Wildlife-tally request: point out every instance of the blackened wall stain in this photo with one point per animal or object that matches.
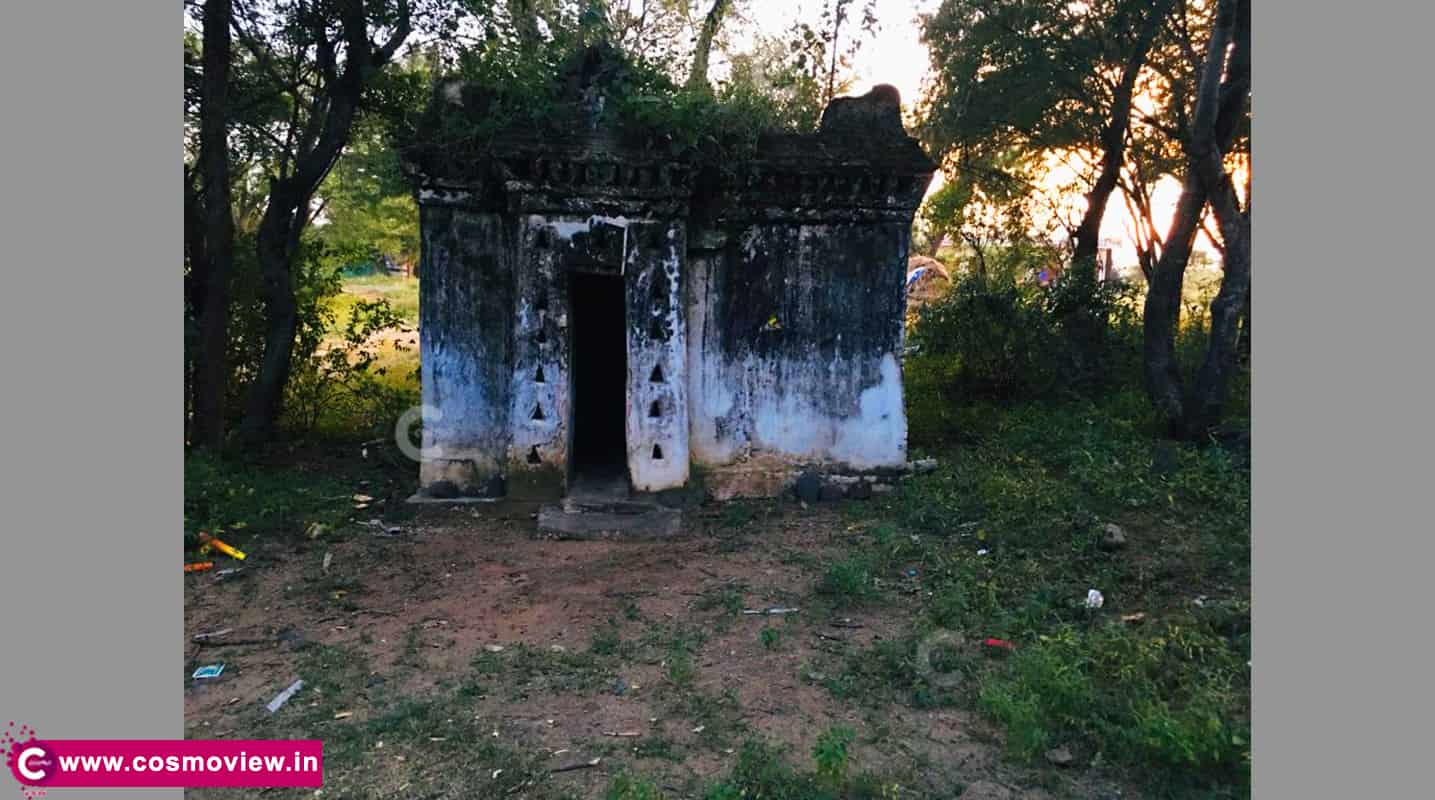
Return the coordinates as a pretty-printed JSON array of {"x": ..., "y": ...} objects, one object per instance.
[
  {"x": 762, "y": 303},
  {"x": 465, "y": 367}
]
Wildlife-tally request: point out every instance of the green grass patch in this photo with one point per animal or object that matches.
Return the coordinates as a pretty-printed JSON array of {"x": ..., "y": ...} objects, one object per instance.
[
  {"x": 243, "y": 499},
  {"x": 763, "y": 771},
  {"x": 1005, "y": 539},
  {"x": 629, "y": 786},
  {"x": 438, "y": 740},
  {"x": 527, "y": 671}
]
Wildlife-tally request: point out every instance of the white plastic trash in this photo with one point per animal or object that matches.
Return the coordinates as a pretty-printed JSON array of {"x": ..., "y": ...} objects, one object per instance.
[
  {"x": 1094, "y": 599},
  {"x": 283, "y": 697}
]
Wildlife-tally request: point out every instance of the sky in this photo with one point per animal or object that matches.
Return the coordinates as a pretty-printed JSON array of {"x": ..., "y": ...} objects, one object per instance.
[{"x": 896, "y": 56}]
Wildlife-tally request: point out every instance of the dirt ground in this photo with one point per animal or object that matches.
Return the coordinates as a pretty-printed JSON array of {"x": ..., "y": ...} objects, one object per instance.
[{"x": 419, "y": 646}]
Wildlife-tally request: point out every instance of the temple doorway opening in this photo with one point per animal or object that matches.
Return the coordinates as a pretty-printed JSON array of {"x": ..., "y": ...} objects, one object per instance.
[{"x": 600, "y": 379}]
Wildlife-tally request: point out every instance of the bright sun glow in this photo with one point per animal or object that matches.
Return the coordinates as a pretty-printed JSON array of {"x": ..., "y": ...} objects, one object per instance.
[{"x": 896, "y": 55}]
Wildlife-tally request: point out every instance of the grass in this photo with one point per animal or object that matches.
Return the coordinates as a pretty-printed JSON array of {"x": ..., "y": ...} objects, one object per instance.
[
  {"x": 438, "y": 742},
  {"x": 528, "y": 671},
  {"x": 1006, "y": 539},
  {"x": 627, "y": 786},
  {"x": 849, "y": 581},
  {"x": 763, "y": 770},
  {"x": 283, "y": 492}
]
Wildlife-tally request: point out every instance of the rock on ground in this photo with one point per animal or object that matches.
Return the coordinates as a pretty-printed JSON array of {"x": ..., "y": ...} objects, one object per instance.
[
  {"x": 1113, "y": 537},
  {"x": 809, "y": 487}
]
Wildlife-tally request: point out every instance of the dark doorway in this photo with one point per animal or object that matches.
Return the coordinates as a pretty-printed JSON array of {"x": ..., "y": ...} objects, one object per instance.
[{"x": 599, "y": 346}]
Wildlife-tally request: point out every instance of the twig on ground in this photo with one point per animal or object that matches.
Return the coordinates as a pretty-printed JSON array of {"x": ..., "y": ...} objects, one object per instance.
[{"x": 578, "y": 765}]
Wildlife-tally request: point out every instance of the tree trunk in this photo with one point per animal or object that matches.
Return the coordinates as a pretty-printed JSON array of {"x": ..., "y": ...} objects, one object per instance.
[
  {"x": 934, "y": 242},
  {"x": 1162, "y": 316},
  {"x": 211, "y": 373},
  {"x": 1113, "y": 142},
  {"x": 287, "y": 213},
  {"x": 1203, "y": 411},
  {"x": 525, "y": 21},
  {"x": 839, "y": 13},
  {"x": 698, "y": 78},
  {"x": 194, "y": 286},
  {"x": 1209, "y": 394},
  {"x": 1243, "y": 349},
  {"x": 981, "y": 260},
  {"x": 266, "y": 395},
  {"x": 1219, "y": 105}
]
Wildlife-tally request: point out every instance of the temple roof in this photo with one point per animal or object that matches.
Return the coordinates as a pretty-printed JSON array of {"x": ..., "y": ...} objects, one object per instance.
[{"x": 861, "y": 156}]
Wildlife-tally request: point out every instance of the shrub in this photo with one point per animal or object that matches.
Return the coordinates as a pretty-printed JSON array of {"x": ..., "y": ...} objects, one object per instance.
[
  {"x": 995, "y": 335},
  {"x": 830, "y": 753},
  {"x": 345, "y": 385},
  {"x": 848, "y": 582}
]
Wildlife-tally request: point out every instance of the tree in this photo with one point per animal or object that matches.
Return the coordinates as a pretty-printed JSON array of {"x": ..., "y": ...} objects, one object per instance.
[
  {"x": 989, "y": 201},
  {"x": 819, "y": 51},
  {"x": 320, "y": 58},
  {"x": 1220, "y": 112},
  {"x": 209, "y": 232},
  {"x": 698, "y": 77},
  {"x": 367, "y": 203},
  {"x": 1041, "y": 75},
  {"x": 1113, "y": 139}
]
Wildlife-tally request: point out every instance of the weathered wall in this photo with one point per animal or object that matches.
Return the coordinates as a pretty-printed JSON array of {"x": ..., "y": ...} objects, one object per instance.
[
  {"x": 466, "y": 336},
  {"x": 657, "y": 419},
  {"x": 649, "y": 256},
  {"x": 541, "y": 368},
  {"x": 795, "y": 344}
]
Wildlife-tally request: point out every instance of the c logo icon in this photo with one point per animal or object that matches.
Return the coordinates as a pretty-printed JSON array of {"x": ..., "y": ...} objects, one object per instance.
[
  {"x": 406, "y": 420},
  {"x": 34, "y": 762}
]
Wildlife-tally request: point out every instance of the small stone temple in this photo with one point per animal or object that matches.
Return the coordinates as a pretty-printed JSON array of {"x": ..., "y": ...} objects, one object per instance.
[{"x": 599, "y": 312}]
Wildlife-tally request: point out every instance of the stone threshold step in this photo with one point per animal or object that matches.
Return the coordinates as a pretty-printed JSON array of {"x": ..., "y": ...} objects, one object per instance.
[{"x": 653, "y": 522}]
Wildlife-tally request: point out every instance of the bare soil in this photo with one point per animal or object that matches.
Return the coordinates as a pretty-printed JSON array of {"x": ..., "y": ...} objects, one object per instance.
[{"x": 426, "y": 609}]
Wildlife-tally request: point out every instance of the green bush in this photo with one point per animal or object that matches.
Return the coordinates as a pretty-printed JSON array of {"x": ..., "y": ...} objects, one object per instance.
[
  {"x": 848, "y": 582},
  {"x": 316, "y": 276},
  {"x": 999, "y": 339},
  {"x": 344, "y": 386},
  {"x": 994, "y": 338},
  {"x": 337, "y": 383},
  {"x": 761, "y": 772},
  {"x": 830, "y": 753}
]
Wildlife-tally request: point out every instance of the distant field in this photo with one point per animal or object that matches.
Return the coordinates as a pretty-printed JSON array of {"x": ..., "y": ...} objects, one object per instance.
[
  {"x": 398, "y": 350},
  {"x": 402, "y": 293}
]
